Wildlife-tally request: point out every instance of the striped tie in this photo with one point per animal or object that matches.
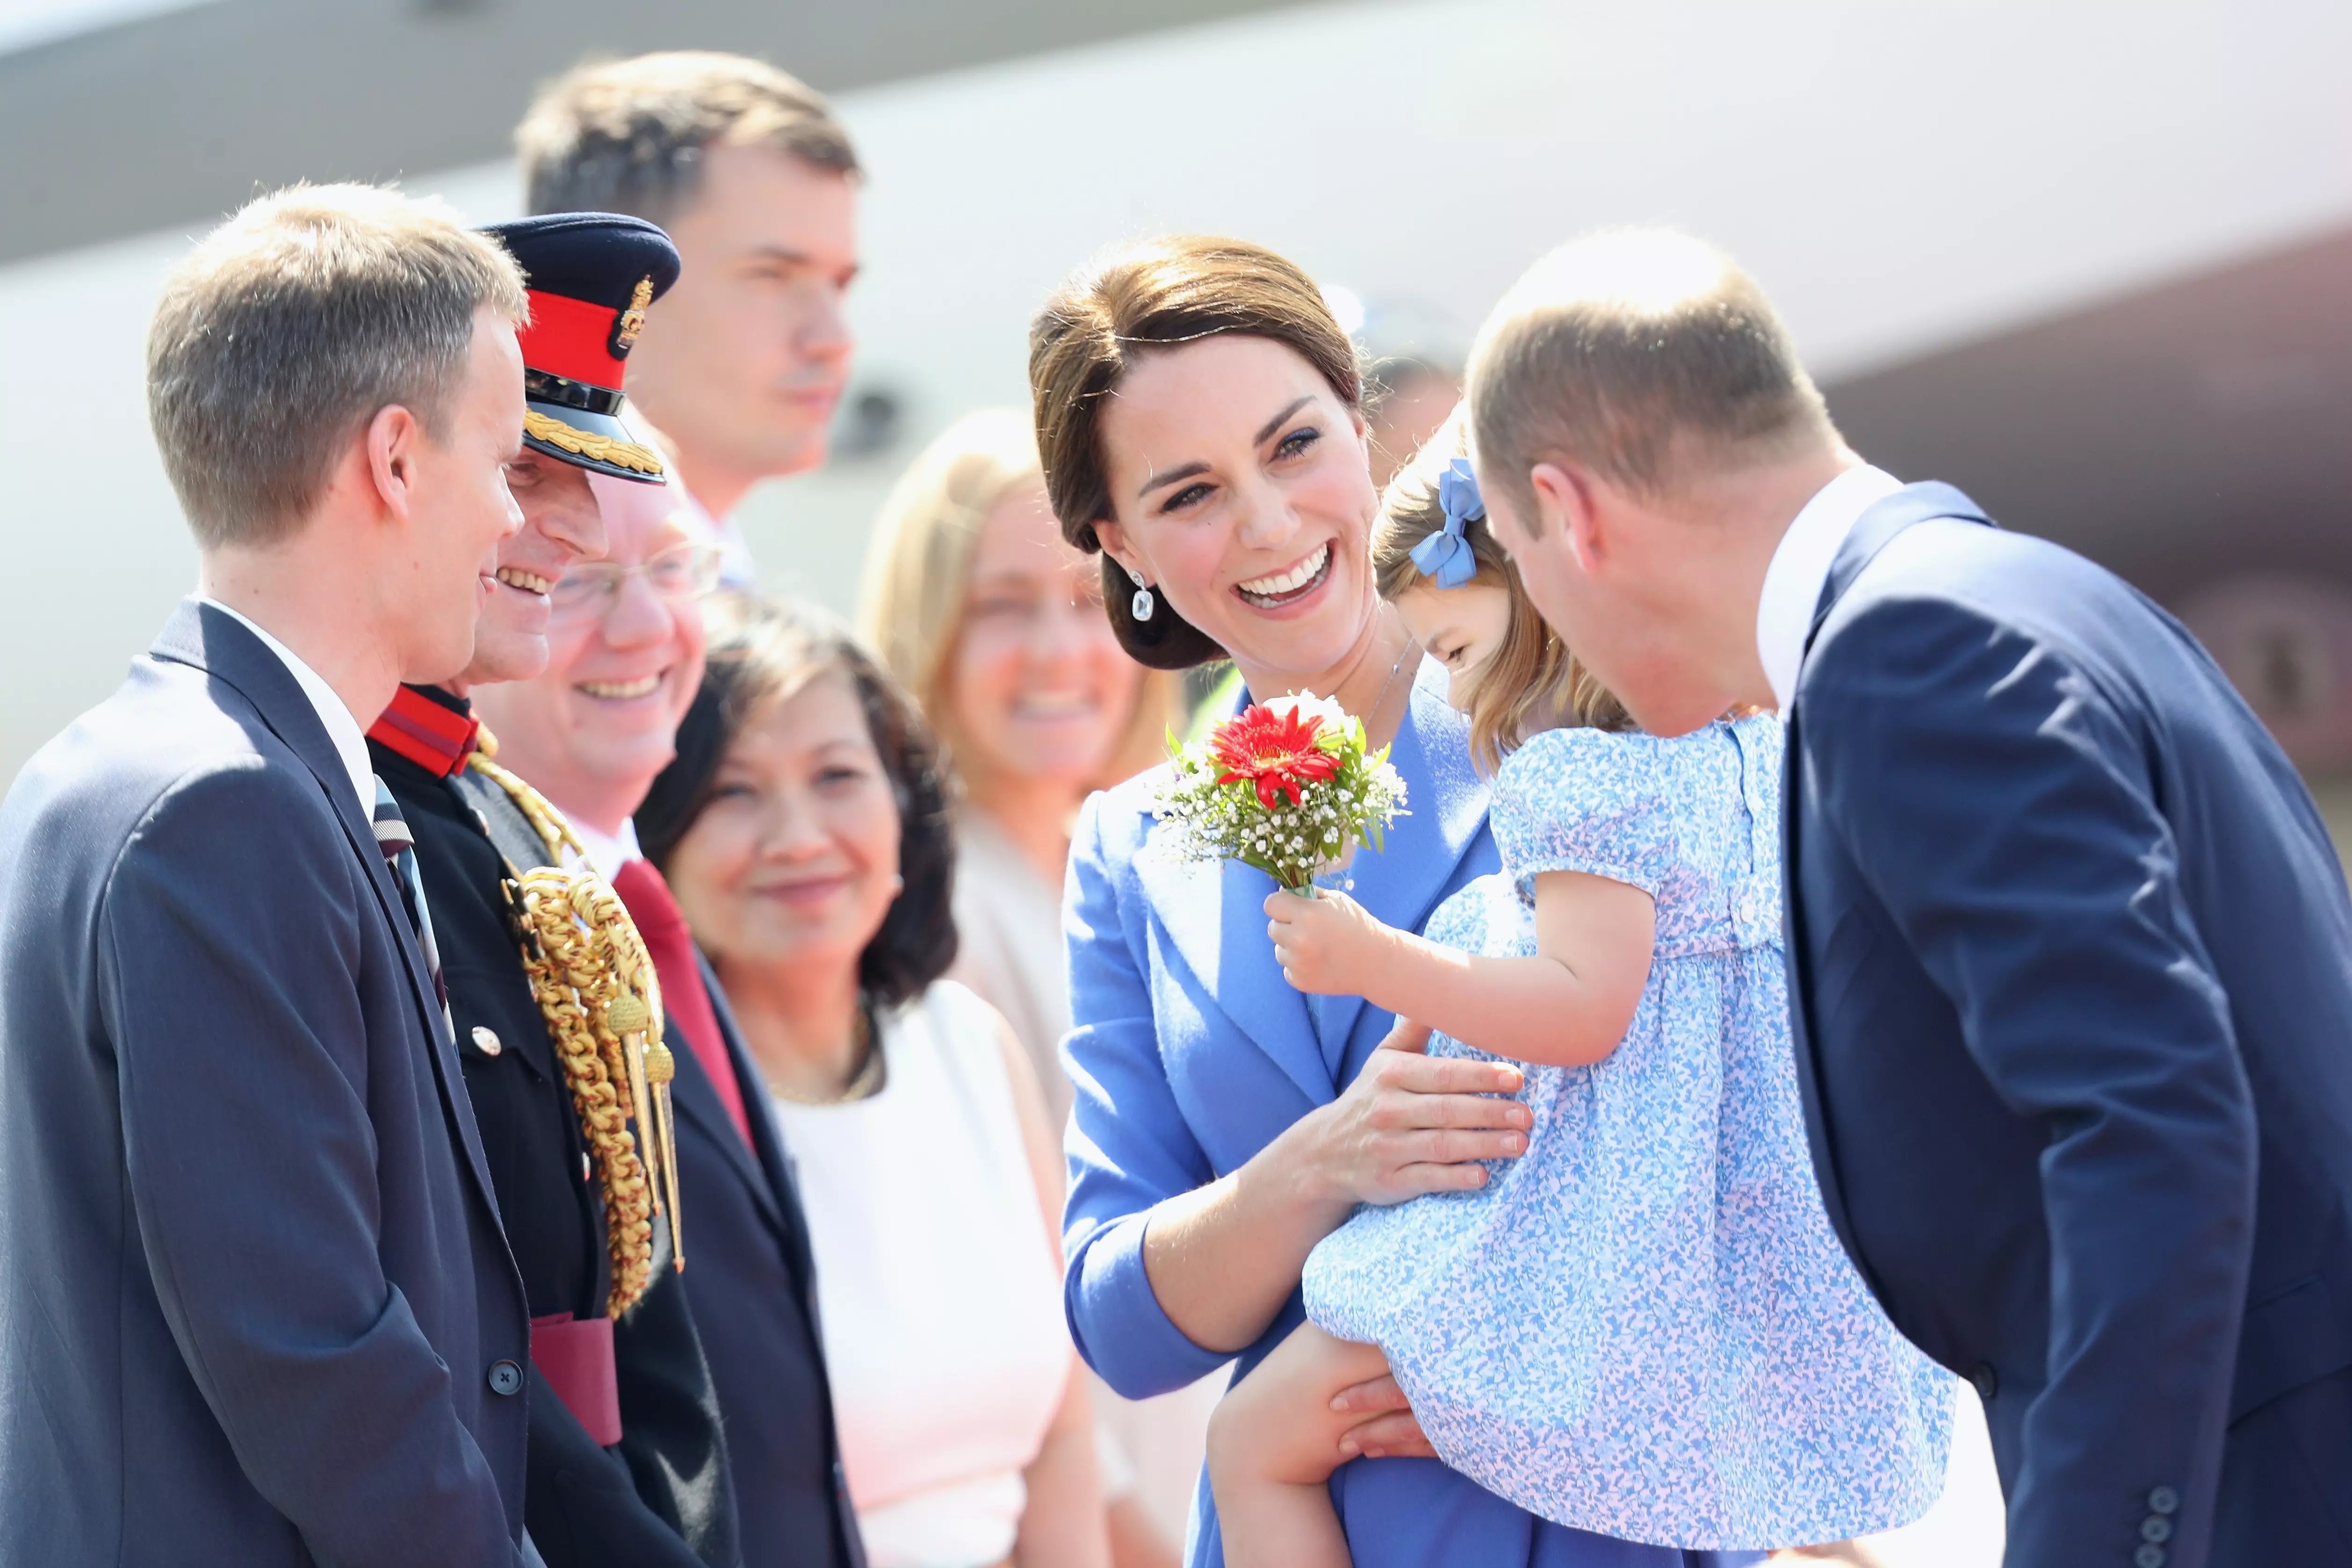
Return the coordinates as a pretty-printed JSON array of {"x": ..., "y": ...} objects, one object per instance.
[{"x": 399, "y": 847}]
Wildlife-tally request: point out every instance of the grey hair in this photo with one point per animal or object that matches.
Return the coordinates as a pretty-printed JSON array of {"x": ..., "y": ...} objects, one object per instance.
[
  {"x": 627, "y": 136},
  {"x": 290, "y": 326}
]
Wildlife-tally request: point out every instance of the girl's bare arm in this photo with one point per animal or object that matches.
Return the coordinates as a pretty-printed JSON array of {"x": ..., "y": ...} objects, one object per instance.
[{"x": 1568, "y": 1006}]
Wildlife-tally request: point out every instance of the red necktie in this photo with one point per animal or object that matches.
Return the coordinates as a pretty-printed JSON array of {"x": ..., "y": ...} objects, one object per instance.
[{"x": 663, "y": 925}]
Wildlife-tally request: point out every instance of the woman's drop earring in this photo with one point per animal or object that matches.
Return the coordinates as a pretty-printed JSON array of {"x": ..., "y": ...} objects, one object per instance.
[{"x": 1140, "y": 606}]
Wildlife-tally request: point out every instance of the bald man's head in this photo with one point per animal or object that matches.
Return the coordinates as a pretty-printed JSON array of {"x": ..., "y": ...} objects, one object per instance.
[{"x": 1643, "y": 356}]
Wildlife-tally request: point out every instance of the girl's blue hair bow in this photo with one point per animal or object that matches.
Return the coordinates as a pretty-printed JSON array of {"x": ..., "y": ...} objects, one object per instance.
[{"x": 1446, "y": 559}]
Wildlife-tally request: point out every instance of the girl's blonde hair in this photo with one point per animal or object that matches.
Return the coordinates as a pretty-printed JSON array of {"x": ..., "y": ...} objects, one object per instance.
[
  {"x": 918, "y": 571},
  {"x": 1531, "y": 681}
]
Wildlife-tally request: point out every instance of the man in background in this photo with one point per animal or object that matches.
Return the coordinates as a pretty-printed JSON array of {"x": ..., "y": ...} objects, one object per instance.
[
  {"x": 741, "y": 366},
  {"x": 258, "y": 1306}
]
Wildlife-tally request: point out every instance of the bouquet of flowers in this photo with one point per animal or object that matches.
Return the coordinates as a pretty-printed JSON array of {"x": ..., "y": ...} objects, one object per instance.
[{"x": 1284, "y": 786}]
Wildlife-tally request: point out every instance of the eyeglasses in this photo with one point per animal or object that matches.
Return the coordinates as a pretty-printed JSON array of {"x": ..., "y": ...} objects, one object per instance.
[{"x": 681, "y": 573}]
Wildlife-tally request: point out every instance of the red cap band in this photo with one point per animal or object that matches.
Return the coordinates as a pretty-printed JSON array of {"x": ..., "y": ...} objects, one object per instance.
[{"x": 571, "y": 339}]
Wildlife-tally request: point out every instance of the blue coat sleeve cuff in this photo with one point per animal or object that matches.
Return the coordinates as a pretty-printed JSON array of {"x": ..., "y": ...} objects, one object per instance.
[{"x": 1120, "y": 1328}]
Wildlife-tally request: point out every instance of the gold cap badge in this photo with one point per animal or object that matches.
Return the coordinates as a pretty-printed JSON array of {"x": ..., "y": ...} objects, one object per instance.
[{"x": 631, "y": 321}]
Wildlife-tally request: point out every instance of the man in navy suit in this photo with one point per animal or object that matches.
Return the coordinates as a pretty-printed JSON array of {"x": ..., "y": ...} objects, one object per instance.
[
  {"x": 2071, "y": 955},
  {"x": 257, "y": 1309}
]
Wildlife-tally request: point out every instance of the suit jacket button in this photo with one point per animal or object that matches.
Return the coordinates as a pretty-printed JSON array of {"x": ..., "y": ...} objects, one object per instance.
[
  {"x": 486, "y": 1040},
  {"x": 2149, "y": 1556},
  {"x": 2156, "y": 1527},
  {"x": 2164, "y": 1499},
  {"x": 1987, "y": 1381},
  {"x": 506, "y": 1378}
]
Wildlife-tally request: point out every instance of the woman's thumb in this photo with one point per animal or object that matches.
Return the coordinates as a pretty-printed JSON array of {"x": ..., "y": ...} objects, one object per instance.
[{"x": 1407, "y": 1035}]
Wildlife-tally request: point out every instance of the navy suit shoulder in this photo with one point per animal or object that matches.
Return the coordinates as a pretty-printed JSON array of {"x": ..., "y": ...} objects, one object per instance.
[
  {"x": 254, "y": 1293},
  {"x": 2072, "y": 958}
]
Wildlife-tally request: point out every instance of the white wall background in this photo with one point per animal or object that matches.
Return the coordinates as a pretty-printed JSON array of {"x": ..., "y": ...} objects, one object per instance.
[{"x": 1900, "y": 176}]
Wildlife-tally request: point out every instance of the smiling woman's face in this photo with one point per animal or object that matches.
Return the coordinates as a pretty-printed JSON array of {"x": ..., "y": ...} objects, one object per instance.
[
  {"x": 795, "y": 857},
  {"x": 1037, "y": 685},
  {"x": 1243, "y": 492}
]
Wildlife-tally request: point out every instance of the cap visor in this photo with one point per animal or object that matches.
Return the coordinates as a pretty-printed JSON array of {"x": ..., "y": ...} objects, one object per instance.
[{"x": 600, "y": 442}]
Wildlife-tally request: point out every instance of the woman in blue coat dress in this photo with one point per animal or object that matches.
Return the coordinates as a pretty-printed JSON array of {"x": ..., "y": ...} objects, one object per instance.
[{"x": 1198, "y": 411}]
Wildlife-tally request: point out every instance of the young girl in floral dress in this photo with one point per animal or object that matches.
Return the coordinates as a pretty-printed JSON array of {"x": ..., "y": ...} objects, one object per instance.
[{"x": 1645, "y": 1327}]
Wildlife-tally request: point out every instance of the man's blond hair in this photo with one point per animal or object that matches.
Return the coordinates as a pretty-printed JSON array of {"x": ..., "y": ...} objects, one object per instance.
[
  {"x": 627, "y": 136},
  {"x": 1644, "y": 355},
  {"x": 290, "y": 326}
]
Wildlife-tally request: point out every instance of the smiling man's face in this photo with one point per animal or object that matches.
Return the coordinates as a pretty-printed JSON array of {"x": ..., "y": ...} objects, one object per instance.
[
  {"x": 623, "y": 666},
  {"x": 561, "y": 525}
]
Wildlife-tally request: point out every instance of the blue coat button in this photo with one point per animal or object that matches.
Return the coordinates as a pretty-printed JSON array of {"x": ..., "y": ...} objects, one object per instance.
[
  {"x": 2156, "y": 1527},
  {"x": 2164, "y": 1499},
  {"x": 1987, "y": 1381},
  {"x": 506, "y": 1378},
  {"x": 2149, "y": 1556}
]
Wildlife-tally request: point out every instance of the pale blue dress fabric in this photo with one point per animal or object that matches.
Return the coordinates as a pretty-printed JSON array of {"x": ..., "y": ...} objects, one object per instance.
[{"x": 1645, "y": 1327}]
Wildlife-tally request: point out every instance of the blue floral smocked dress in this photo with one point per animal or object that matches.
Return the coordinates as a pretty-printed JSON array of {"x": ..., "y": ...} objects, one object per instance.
[{"x": 1644, "y": 1326}]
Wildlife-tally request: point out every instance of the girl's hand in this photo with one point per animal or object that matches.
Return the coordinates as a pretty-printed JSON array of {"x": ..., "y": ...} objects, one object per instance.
[
  {"x": 1411, "y": 1124},
  {"x": 1327, "y": 944}
]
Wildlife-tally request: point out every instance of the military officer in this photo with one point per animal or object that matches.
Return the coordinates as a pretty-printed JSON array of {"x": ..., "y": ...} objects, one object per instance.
[{"x": 627, "y": 1464}]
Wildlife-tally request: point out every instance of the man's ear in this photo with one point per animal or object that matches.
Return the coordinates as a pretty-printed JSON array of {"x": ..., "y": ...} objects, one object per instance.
[
  {"x": 393, "y": 440},
  {"x": 1564, "y": 501}
]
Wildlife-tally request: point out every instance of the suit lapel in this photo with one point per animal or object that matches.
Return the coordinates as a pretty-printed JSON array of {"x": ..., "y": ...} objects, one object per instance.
[
  {"x": 217, "y": 643},
  {"x": 1442, "y": 789},
  {"x": 1795, "y": 954},
  {"x": 1872, "y": 532},
  {"x": 774, "y": 1161},
  {"x": 1214, "y": 918}
]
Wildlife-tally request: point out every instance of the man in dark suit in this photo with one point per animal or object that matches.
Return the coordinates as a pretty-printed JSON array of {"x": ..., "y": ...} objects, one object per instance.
[
  {"x": 258, "y": 1307},
  {"x": 2071, "y": 955},
  {"x": 592, "y": 733},
  {"x": 627, "y": 1465}
]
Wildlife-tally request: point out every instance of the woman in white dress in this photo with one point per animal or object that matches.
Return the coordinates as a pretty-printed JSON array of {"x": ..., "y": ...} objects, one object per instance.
[
  {"x": 811, "y": 853},
  {"x": 981, "y": 609}
]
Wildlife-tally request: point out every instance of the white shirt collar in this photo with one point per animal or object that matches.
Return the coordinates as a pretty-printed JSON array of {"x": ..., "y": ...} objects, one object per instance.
[
  {"x": 1800, "y": 566},
  {"x": 608, "y": 852},
  {"x": 350, "y": 738}
]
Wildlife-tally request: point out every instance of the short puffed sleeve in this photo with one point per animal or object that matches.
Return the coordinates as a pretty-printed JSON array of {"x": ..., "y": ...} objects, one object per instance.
[{"x": 1588, "y": 800}]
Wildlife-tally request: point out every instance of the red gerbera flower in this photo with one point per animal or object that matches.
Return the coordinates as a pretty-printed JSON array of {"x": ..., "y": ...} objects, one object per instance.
[{"x": 1275, "y": 751}]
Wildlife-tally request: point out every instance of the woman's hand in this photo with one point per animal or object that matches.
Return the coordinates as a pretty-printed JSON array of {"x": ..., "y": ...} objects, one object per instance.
[
  {"x": 1384, "y": 1426},
  {"x": 1411, "y": 1123},
  {"x": 1223, "y": 1258},
  {"x": 1329, "y": 944}
]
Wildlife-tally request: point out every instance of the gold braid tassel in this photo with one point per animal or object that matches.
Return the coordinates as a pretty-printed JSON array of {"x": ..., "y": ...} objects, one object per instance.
[{"x": 597, "y": 988}]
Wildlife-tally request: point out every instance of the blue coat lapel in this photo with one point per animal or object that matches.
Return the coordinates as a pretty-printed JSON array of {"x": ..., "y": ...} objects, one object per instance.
[
  {"x": 1431, "y": 754},
  {"x": 1213, "y": 915},
  {"x": 1214, "y": 918}
]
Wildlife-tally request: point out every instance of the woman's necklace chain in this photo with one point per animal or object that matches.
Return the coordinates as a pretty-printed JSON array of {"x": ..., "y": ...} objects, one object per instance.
[
  {"x": 1373, "y": 714},
  {"x": 864, "y": 1082}
]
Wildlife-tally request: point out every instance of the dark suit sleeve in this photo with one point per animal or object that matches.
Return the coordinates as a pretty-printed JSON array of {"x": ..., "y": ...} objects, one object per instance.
[
  {"x": 229, "y": 946},
  {"x": 1998, "y": 801},
  {"x": 669, "y": 1418}
]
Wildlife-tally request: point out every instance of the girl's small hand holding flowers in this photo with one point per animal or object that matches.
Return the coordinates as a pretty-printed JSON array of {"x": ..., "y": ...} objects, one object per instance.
[{"x": 1327, "y": 944}]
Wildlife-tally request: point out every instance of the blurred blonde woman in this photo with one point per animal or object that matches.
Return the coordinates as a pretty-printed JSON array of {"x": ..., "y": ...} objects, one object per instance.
[{"x": 977, "y": 605}]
